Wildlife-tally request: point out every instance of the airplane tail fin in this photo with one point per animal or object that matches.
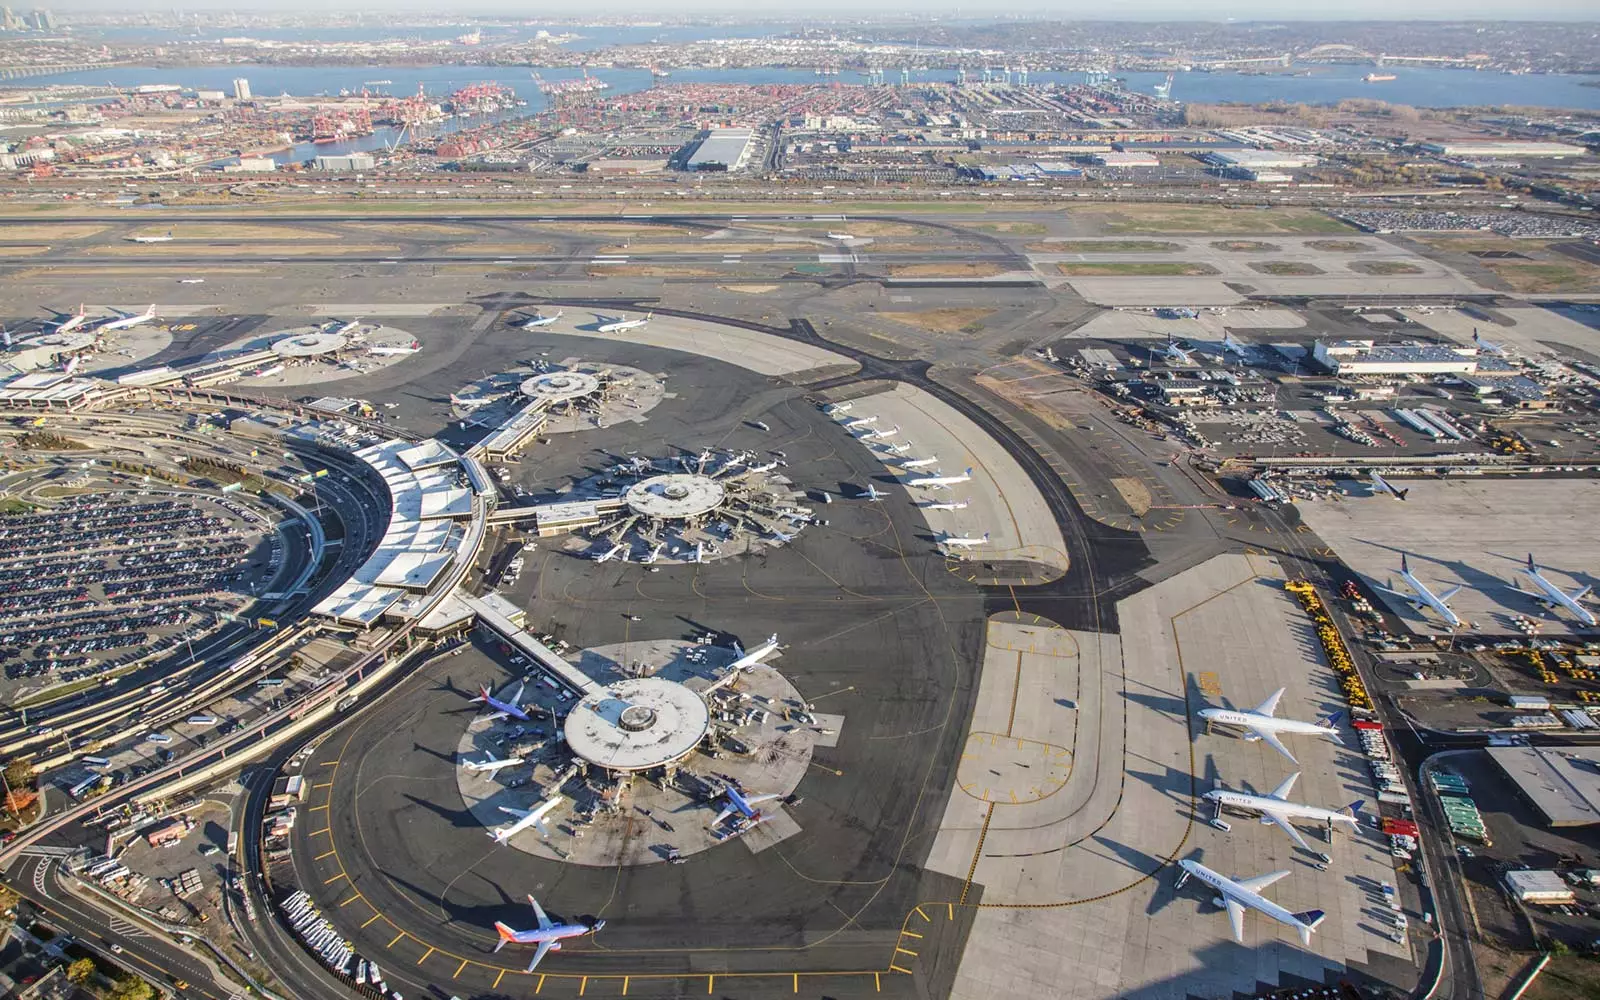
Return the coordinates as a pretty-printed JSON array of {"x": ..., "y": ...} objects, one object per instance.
[
  {"x": 1404, "y": 568},
  {"x": 1354, "y": 808},
  {"x": 483, "y": 695},
  {"x": 969, "y": 471},
  {"x": 1400, "y": 494},
  {"x": 1531, "y": 567},
  {"x": 506, "y": 935},
  {"x": 1308, "y": 921}
]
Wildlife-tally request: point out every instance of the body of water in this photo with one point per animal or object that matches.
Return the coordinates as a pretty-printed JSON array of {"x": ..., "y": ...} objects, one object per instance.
[{"x": 1438, "y": 88}]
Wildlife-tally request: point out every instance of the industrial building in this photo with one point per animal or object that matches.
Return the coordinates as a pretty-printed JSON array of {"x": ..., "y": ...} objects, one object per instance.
[
  {"x": 1259, "y": 159},
  {"x": 1125, "y": 158},
  {"x": 1541, "y": 888},
  {"x": 723, "y": 149},
  {"x": 1562, "y": 784},
  {"x": 344, "y": 164},
  {"x": 1364, "y": 357},
  {"x": 1502, "y": 149},
  {"x": 252, "y": 165}
]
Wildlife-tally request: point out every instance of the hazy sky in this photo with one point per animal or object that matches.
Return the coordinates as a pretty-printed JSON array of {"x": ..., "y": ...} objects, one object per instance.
[{"x": 1072, "y": 10}]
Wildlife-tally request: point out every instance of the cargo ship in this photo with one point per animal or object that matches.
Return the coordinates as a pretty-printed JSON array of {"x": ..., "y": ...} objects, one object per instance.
[{"x": 1378, "y": 77}]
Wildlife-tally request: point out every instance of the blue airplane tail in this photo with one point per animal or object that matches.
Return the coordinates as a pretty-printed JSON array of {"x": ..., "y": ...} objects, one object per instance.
[
  {"x": 1354, "y": 807},
  {"x": 1310, "y": 918}
]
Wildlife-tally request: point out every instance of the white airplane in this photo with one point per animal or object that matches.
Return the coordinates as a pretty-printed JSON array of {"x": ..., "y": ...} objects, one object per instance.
[
  {"x": 919, "y": 463},
  {"x": 619, "y": 550},
  {"x": 548, "y": 935},
  {"x": 744, "y": 805},
  {"x": 489, "y": 766},
  {"x": 1485, "y": 346},
  {"x": 344, "y": 328},
  {"x": 779, "y": 537},
  {"x": 502, "y": 709},
  {"x": 1231, "y": 346},
  {"x": 855, "y": 422},
  {"x": 948, "y": 505},
  {"x": 534, "y": 322},
  {"x": 1382, "y": 485},
  {"x": 699, "y": 552},
  {"x": 898, "y": 449},
  {"x": 152, "y": 239},
  {"x": 387, "y": 350},
  {"x": 1260, "y": 723},
  {"x": 74, "y": 321},
  {"x": 1238, "y": 895},
  {"x": 838, "y": 407},
  {"x": 5, "y": 335},
  {"x": 469, "y": 404},
  {"x": 871, "y": 494},
  {"x": 1275, "y": 808},
  {"x": 1425, "y": 598},
  {"x": 191, "y": 281},
  {"x": 941, "y": 482},
  {"x": 525, "y": 818},
  {"x": 1554, "y": 596},
  {"x": 72, "y": 364},
  {"x": 617, "y": 326},
  {"x": 1177, "y": 355},
  {"x": 654, "y": 554},
  {"x": 840, "y": 236},
  {"x": 125, "y": 322},
  {"x": 950, "y": 541},
  {"x": 879, "y": 434}
]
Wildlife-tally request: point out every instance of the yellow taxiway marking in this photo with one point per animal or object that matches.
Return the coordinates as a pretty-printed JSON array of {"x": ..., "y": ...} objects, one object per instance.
[
  {"x": 326, "y": 829},
  {"x": 877, "y": 982},
  {"x": 906, "y": 951},
  {"x": 625, "y": 985},
  {"x": 396, "y": 938},
  {"x": 951, "y": 910},
  {"x": 352, "y": 899},
  {"x": 921, "y": 914},
  {"x": 325, "y": 784},
  {"x": 709, "y": 981},
  {"x": 375, "y": 916},
  {"x": 497, "y": 979},
  {"x": 329, "y": 763},
  {"x": 540, "y": 985},
  {"x": 329, "y": 854},
  {"x": 335, "y": 878},
  {"x": 583, "y": 984},
  {"x": 797, "y": 982},
  {"x": 318, "y": 808},
  {"x": 457, "y": 973},
  {"x": 912, "y": 934},
  {"x": 896, "y": 968},
  {"x": 425, "y": 955}
]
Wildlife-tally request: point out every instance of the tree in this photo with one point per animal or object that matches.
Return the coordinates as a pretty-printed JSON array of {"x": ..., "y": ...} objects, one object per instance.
[
  {"x": 80, "y": 971},
  {"x": 132, "y": 988}
]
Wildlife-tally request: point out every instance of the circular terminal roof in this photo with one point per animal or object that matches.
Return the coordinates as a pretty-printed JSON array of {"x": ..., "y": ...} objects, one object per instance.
[
  {"x": 560, "y": 387},
  {"x": 309, "y": 345},
  {"x": 637, "y": 724},
  {"x": 675, "y": 495}
]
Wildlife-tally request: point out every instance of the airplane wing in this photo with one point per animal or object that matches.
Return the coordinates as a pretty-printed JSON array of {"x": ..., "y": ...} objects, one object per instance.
[
  {"x": 1408, "y": 598},
  {"x": 1270, "y": 706},
  {"x": 538, "y": 911},
  {"x": 1453, "y": 591},
  {"x": 754, "y": 799},
  {"x": 724, "y": 814},
  {"x": 1236, "y": 918},
  {"x": 1282, "y": 823},
  {"x": 1271, "y": 739},
  {"x": 544, "y": 949},
  {"x": 1262, "y": 881},
  {"x": 1282, "y": 791},
  {"x": 519, "y": 813}
]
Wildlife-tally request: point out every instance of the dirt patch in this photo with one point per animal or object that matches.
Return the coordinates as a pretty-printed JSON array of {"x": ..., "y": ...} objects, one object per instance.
[
  {"x": 1383, "y": 267},
  {"x": 618, "y": 231},
  {"x": 1134, "y": 268},
  {"x": 1546, "y": 277},
  {"x": 1134, "y": 493},
  {"x": 841, "y": 226},
  {"x": 706, "y": 246},
  {"x": 653, "y": 271},
  {"x": 1206, "y": 219},
  {"x": 241, "y": 250},
  {"x": 505, "y": 249},
  {"x": 1012, "y": 228},
  {"x": 1246, "y": 246},
  {"x": 16, "y": 251},
  {"x": 1102, "y": 246},
  {"x": 953, "y": 270},
  {"x": 943, "y": 320},
  {"x": 1568, "y": 977},
  {"x": 1341, "y": 246},
  {"x": 232, "y": 231},
  {"x": 1285, "y": 267},
  {"x": 23, "y": 231},
  {"x": 750, "y": 289},
  {"x": 413, "y": 228},
  {"x": 1025, "y": 393}
]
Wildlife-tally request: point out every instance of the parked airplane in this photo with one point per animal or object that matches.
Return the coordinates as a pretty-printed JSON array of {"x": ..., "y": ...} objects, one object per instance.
[
  {"x": 126, "y": 321},
  {"x": 548, "y": 935},
  {"x": 1554, "y": 596},
  {"x": 191, "y": 281},
  {"x": 502, "y": 709},
  {"x": 1177, "y": 355},
  {"x": 948, "y": 505},
  {"x": 525, "y": 818},
  {"x": 898, "y": 449},
  {"x": 1485, "y": 346},
  {"x": 871, "y": 494},
  {"x": 779, "y": 537},
  {"x": 617, "y": 326},
  {"x": 490, "y": 766},
  {"x": 879, "y": 434},
  {"x": 920, "y": 463},
  {"x": 1231, "y": 346},
  {"x": 950, "y": 541},
  {"x": 1261, "y": 724},
  {"x": 838, "y": 407},
  {"x": 744, "y": 805},
  {"x": 394, "y": 349},
  {"x": 350, "y": 327},
  {"x": 1381, "y": 485},
  {"x": 152, "y": 239},
  {"x": 539, "y": 320},
  {"x": 1425, "y": 598},
  {"x": 74, "y": 321},
  {"x": 855, "y": 422},
  {"x": 1277, "y": 809},
  {"x": 840, "y": 236},
  {"x": 619, "y": 550},
  {"x": 937, "y": 482},
  {"x": 1237, "y": 895},
  {"x": 469, "y": 404}
]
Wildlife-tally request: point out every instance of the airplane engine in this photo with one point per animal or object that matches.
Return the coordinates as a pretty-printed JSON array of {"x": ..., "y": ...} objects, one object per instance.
[{"x": 1218, "y": 902}]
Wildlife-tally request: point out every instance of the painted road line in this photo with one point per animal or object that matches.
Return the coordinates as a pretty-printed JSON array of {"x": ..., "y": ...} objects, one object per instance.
[{"x": 425, "y": 955}]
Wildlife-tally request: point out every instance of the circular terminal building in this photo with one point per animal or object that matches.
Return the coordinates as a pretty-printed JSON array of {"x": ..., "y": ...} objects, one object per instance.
[
  {"x": 637, "y": 724},
  {"x": 560, "y": 388},
  {"x": 310, "y": 345},
  {"x": 676, "y": 496}
]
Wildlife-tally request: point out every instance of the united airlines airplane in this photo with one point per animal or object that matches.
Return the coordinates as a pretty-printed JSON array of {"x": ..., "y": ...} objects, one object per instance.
[
  {"x": 1260, "y": 723},
  {"x": 1553, "y": 596},
  {"x": 1422, "y": 597},
  {"x": 1275, "y": 808},
  {"x": 1238, "y": 895}
]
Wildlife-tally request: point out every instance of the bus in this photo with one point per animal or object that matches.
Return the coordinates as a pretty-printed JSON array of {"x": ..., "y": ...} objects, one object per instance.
[
  {"x": 270, "y": 682},
  {"x": 202, "y": 720},
  {"x": 77, "y": 791},
  {"x": 96, "y": 762}
]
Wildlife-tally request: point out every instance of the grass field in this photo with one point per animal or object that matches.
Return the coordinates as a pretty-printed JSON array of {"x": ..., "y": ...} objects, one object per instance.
[
  {"x": 654, "y": 271},
  {"x": 1012, "y": 228},
  {"x": 1340, "y": 246},
  {"x": 183, "y": 231},
  {"x": 700, "y": 246},
  {"x": 750, "y": 289},
  {"x": 22, "y": 251},
  {"x": 1246, "y": 246},
  {"x": 1546, "y": 277},
  {"x": 943, "y": 320},
  {"x": 413, "y": 228},
  {"x": 1285, "y": 268},
  {"x": 1384, "y": 267},
  {"x": 951, "y": 270},
  {"x": 504, "y": 249},
  {"x": 1103, "y": 246},
  {"x": 1210, "y": 220},
  {"x": 23, "y": 231},
  {"x": 864, "y": 228},
  {"x": 1567, "y": 977},
  {"x": 619, "y": 231},
  {"x": 1134, "y": 269},
  {"x": 242, "y": 250}
]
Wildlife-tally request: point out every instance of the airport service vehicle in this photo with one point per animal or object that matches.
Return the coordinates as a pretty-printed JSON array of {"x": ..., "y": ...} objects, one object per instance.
[
  {"x": 1381, "y": 485},
  {"x": 489, "y": 766},
  {"x": 619, "y": 325},
  {"x": 524, "y": 819},
  {"x": 1422, "y": 597},
  {"x": 534, "y": 322},
  {"x": 502, "y": 709},
  {"x": 548, "y": 935},
  {"x": 941, "y": 482},
  {"x": 1275, "y": 808},
  {"x": 1553, "y": 596},
  {"x": 1260, "y": 723},
  {"x": 1238, "y": 895}
]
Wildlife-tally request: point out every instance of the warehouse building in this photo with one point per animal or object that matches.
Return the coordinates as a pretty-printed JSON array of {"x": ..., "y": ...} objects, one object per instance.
[
  {"x": 1492, "y": 150},
  {"x": 1539, "y": 888},
  {"x": 1364, "y": 357},
  {"x": 353, "y": 163},
  {"x": 1259, "y": 159},
  {"x": 1125, "y": 158},
  {"x": 723, "y": 149},
  {"x": 1563, "y": 784}
]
